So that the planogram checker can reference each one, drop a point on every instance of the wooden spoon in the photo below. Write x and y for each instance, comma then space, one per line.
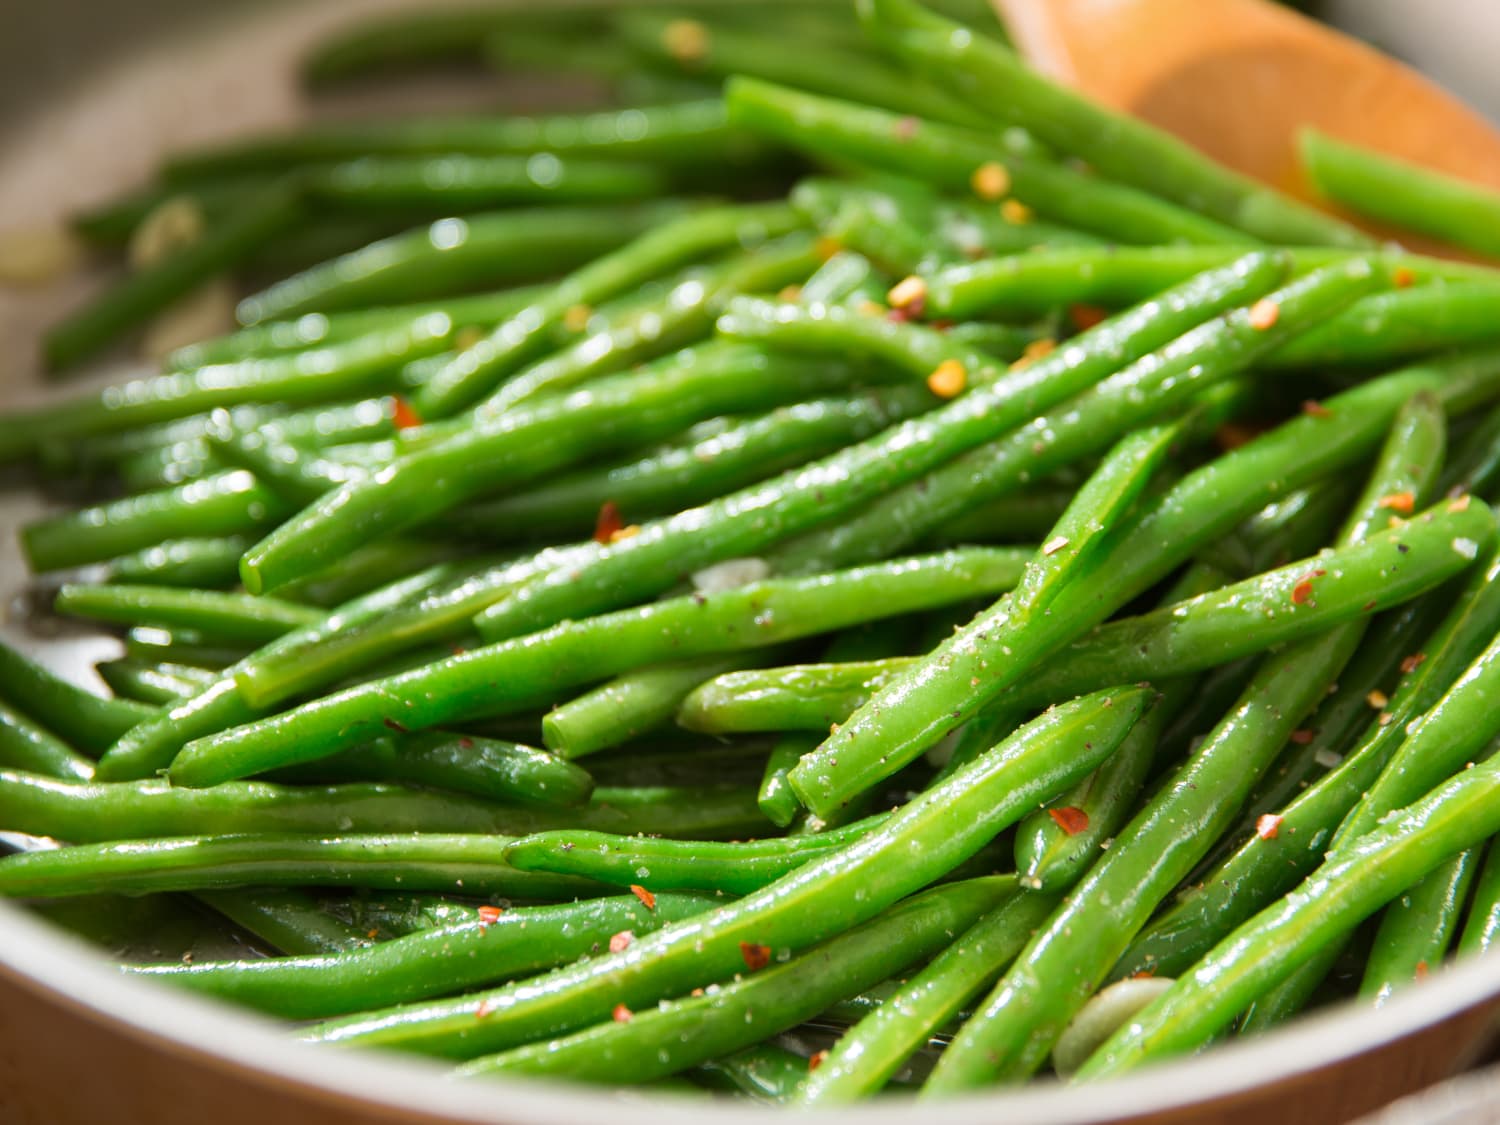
1238, 78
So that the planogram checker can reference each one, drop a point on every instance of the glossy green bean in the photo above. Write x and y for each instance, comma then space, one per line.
156, 684
27, 745
869, 1053
478, 370
1127, 149
798, 697
1399, 325
470, 954
80, 718
215, 616
98, 812
1418, 927
1401, 193
288, 920
455, 254
1351, 885
532, 671
744, 523
131, 302
948, 156
677, 1034
947, 825
776, 798
1482, 924
198, 563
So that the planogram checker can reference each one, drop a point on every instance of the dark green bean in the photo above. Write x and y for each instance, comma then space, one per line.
288, 920
190, 563
1483, 921
26, 745
1417, 928
82, 719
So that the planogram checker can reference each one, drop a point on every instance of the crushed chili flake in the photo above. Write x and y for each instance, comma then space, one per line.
484, 1009
1039, 349
648, 900
630, 531
1460, 503
1402, 502
1377, 700
1052, 546
576, 318
608, 522
948, 379
1302, 592
392, 724
403, 417
1267, 825
990, 181
1316, 409
489, 915
1015, 212
1071, 820
1421, 970
1085, 317
372, 934
466, 743
905, 128
687, 41
620, 942
1302, 737
1142, 974
1264, 314
1412, 662
1403, 277
942, 325
900, 316
910, 290
816, 1059
622, 1014
756, 956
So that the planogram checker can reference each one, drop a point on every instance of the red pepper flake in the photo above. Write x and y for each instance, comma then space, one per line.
620, 942
1460, 503
608, 522
910, 293
1421, 970
1267, 825
622, 1014
457, 650
756, 956
816, 1059
1403, 277
1071, 820
1377, 700
403, 417
484, 1009
687, 41
1143, 974
905, 128
648, 900
392, 724
900, 316
1402, 502
1085, 317
372, 934
489, 915
948, 379
1302, 737
466, 743
1315, 409
628, 532
942, 325
1016, 213
990, 181
1264, 314
1037, 349
1412, 662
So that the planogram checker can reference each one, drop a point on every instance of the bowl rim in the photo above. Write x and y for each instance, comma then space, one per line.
49, 961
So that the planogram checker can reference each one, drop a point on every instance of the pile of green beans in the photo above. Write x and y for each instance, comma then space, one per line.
870, 550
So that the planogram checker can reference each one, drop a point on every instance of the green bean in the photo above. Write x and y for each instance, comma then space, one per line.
764, 1072
341, 370
669, 760
288, 920
134, 300
532, 670
985, 73
1400, 193
776, 798
1400, 324
369, 568
511, 448
949, 157
477, 371
80, 718
1418, 927
483, 950
823, 68
711, 458
743, 523
181, 646
156, 684
232, 618
932, 701
686, 131
1475, 464
1483, 921
673, 865
631, 704
484, 767
865, 1057
454, 254
1350, 886
920, 842
200, 563
96, 812
798, 697
26, 745
679, 1033
1258, 872
415, 861
1035, 283
1021, 518
393, 914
